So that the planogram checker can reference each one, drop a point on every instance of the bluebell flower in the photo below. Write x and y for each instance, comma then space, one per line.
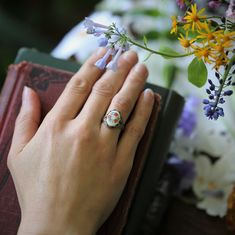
113, 63
113, 38
101, 63
88, 23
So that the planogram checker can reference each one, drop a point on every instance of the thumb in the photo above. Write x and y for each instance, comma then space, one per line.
27, 121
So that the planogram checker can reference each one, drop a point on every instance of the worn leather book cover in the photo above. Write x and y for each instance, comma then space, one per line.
49, 81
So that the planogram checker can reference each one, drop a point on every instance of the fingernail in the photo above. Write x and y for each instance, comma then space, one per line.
148, 93
129, 55
26, 96
141, 69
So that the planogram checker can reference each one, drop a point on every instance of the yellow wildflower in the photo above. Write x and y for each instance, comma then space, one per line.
185, 42
209, 35
219, 61
193, 18
222, 46
204, 52
227, 37
174, 24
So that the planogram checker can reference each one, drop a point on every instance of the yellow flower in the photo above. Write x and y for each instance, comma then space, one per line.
193, 18
185, 42
204, 52
221, 46
227, 37
209, 35
219, 61
174, 24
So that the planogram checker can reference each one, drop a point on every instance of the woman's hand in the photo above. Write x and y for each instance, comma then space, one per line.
70, 171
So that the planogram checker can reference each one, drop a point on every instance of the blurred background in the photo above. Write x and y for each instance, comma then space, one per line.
39, 24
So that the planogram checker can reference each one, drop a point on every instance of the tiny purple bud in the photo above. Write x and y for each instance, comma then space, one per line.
217, 75
205, 101
221, 112
228, 93
212, 87
209, 80
221, 101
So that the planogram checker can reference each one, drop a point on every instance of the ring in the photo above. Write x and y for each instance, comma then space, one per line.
113, 119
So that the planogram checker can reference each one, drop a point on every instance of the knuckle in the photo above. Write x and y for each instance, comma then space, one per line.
135, 131
53, 124
84, 133
122, 103
79, 86
136, 79
103, 88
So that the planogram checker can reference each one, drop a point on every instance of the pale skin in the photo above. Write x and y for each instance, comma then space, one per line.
70, 170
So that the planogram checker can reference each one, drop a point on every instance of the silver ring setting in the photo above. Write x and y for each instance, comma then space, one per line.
113, 119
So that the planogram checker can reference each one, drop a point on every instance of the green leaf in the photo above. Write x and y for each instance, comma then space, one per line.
145, 40
197, 72
168, 51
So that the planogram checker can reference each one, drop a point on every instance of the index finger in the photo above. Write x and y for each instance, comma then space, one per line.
79, 87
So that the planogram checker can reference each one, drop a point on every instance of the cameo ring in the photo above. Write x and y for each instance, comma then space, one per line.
113, 119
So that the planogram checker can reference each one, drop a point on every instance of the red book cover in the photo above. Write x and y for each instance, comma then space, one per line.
49, 82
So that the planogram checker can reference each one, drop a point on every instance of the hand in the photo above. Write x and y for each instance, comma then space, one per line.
70, 171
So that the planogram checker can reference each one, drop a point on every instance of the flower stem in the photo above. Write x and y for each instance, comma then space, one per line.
224, 78
157, 52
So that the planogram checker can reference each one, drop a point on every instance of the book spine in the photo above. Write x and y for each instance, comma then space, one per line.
169, 115
12, 83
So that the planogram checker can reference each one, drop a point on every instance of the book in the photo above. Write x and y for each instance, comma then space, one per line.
48, 77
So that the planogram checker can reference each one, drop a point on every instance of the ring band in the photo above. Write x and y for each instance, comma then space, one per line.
113, 119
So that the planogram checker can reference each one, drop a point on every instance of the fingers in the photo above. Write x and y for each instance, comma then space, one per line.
27, 121
108, 85
125, 100
134, 130
77, 90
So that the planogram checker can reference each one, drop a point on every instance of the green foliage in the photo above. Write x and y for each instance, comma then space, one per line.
197, 72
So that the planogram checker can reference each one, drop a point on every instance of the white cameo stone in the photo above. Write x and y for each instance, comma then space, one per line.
113, 118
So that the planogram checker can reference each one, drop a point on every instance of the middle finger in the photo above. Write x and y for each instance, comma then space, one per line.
105, 88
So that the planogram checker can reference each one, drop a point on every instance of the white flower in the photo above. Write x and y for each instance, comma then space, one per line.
213, 184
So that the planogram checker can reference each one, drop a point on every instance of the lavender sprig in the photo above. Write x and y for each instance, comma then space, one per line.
218, 93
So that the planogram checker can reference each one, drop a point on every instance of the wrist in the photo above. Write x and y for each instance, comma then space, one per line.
32, 227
